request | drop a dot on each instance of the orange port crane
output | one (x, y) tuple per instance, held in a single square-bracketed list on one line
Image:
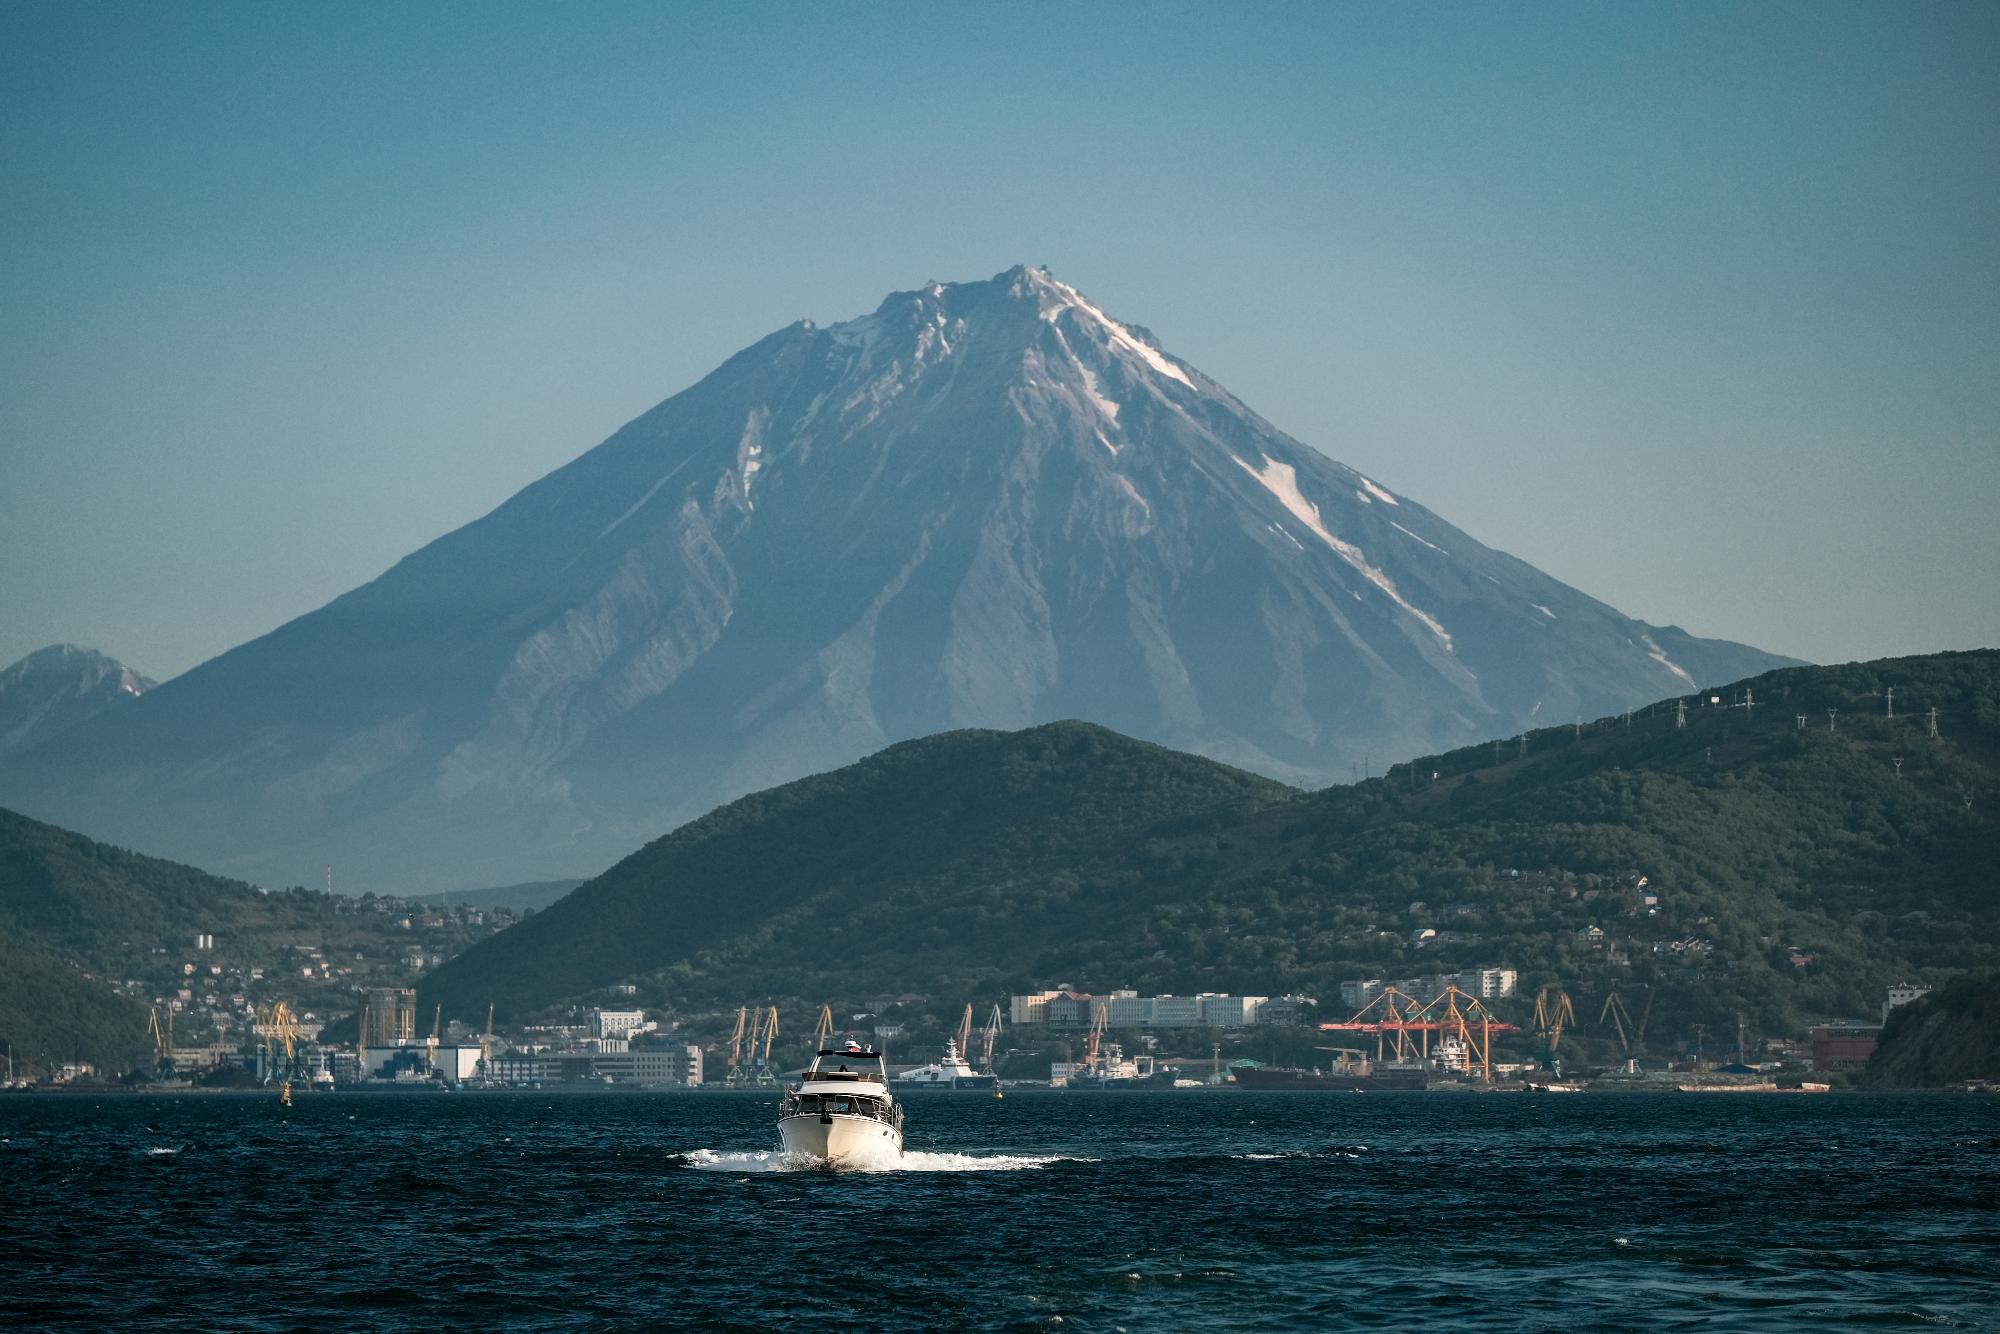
[(1452, 1013)]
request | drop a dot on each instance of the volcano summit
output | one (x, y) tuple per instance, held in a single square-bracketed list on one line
[(986, 504)]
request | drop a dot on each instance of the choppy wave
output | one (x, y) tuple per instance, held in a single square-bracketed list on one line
[(912, 1160)]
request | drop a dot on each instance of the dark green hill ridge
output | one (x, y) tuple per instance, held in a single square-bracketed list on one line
[(1798, 872), (1950, 1036), (909, 864)]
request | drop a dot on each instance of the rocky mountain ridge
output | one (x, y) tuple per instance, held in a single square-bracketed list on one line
[(53, 689)]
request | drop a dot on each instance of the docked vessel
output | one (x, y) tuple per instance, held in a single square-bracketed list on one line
[(950, 1073), (1341, 1076), (841, 1111)]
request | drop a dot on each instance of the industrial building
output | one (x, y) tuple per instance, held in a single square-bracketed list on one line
[(453, 1063), (1844, 1046), (1128, 1009), (388, 1016), (674, 1064)]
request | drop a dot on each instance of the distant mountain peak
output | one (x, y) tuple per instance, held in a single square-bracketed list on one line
[(990, 503), (55, 688)]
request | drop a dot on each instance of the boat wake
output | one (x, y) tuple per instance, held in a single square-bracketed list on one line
[(774, 1160)]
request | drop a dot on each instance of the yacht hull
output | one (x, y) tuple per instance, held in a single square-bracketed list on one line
[(853, 1140)]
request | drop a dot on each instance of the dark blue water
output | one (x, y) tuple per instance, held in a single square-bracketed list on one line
[(1079, 1212)]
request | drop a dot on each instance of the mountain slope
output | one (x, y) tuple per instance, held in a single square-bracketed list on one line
[(1797, 872), (986, 504), (53, 689)]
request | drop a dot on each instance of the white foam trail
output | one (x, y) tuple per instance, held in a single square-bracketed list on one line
[(776, 1160)]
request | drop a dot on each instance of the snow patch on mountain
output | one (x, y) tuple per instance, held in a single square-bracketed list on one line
[(1123, 337), (640, 503), (1659, 655), (1125, 485), (1282, 481), (1377, 491), (1432, 545)]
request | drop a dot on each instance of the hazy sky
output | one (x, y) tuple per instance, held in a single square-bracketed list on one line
[(1696, 307)]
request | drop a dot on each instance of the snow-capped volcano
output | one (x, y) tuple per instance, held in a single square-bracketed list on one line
[(986, 504)]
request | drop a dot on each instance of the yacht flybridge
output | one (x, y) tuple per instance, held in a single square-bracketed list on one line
[(841, 1111)]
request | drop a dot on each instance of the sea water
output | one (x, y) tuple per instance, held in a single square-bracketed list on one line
[(1046, 1211)]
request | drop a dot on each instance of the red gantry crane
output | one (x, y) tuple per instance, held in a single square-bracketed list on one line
[(1395, 1016)]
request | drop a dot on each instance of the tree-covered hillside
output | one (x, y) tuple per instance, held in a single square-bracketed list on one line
[(922, 862), (1793, 869), (90, 934)]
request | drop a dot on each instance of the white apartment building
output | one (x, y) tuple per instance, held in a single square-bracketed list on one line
[(616, 1023)]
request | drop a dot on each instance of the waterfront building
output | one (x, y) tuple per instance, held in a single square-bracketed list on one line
[(1844, 1046), (1071, 1009), (1030, 1009), (519, 1069), (674, 1064), (616, 1023), (1902, 994), (1226, 1011)]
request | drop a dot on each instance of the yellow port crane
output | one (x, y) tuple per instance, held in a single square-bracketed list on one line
[(962, 1039), (823, 1032), (279, 1028), (1553, 1013), (764, 1075), (486, 1046), (736, 1046), (988, 1036), (163, 1043), (1100, 1020)]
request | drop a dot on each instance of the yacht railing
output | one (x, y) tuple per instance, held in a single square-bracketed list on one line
[(840, 1104)]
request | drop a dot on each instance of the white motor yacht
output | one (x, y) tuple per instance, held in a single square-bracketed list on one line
[(841, 1111)]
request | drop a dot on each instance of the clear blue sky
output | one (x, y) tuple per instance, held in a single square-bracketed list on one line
[(1695, 306)]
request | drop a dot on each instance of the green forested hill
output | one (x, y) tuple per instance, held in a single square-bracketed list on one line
[(1949, 1036), (51, 1013), (79, 917), (928, 860), (1796, 871)]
